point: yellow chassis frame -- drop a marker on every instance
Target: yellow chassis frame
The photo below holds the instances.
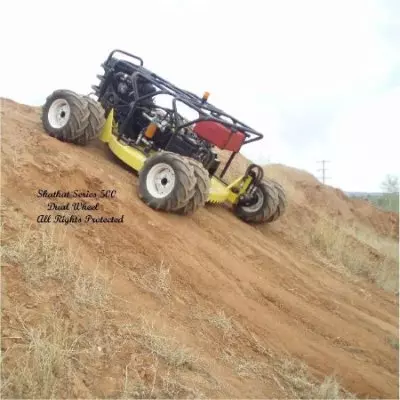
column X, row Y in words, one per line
column 219, row 191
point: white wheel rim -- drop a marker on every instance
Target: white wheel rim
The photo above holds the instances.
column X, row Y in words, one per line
column 59, row 113
column 160, row 180
column 257, row 205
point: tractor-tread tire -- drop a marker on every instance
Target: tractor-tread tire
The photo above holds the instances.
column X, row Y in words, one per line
column 202, row 189
column 79, row 116
column 282, row 201
column 96, row 122
column 268, row 208
column 185, row 182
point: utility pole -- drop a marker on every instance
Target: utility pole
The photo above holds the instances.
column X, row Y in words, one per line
column 323, row 169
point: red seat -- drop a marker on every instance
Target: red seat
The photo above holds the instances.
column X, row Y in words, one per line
column 220, row 135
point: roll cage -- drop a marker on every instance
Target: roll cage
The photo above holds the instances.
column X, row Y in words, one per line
column 207, row 111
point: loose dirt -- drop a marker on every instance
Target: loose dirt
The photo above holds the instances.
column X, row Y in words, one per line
column 267, row 281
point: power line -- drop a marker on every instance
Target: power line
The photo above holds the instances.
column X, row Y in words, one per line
column 323, row 169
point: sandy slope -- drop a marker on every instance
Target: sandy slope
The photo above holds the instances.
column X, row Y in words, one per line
column 263, row 277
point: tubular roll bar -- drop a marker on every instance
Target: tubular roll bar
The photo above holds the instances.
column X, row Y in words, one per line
column 125, row 53
column 207, row 111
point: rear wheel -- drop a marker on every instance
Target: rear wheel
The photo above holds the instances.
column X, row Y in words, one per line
column 65, row 115
column 202, row 188
column 96, row 122
column 261, row 207
column 167, row 182
column 282, row 202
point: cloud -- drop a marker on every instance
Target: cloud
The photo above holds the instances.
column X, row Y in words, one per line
column 300, row 72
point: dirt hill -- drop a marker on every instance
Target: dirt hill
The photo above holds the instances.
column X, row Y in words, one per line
column 202, row 306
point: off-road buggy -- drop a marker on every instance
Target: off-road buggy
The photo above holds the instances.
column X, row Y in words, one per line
column 176, row 158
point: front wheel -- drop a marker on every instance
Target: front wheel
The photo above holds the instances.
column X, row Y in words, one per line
column 202, row 188
column 65, row 116
column 261, row 207
column 166, row 182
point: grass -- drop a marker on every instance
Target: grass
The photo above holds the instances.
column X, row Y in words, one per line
column 361, row 251
column 296, row 378
column 138, row 389
column 42, row 256
column 91, row 289
column 168, row 354
column 43, row 366
column 386, row 276
column 163, row 346
column 221, row 322
column 292, row 376
column 45, row 363
column 385, row 201
column 155, row 280
column 162, row 385
column 244, row 367
column 41, row 363
column 393, row 342
column 384, row 244
column 218, row 320
column 173, row 389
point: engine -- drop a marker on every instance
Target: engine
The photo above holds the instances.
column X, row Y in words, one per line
column 185, row 142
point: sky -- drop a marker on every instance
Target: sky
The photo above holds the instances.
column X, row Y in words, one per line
column 319, row 78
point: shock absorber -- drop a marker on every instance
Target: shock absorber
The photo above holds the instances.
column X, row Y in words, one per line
column 257, row 174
